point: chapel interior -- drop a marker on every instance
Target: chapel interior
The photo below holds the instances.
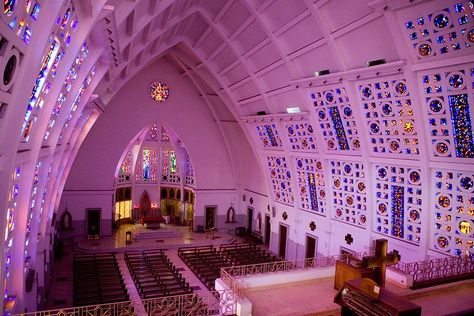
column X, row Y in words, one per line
column 237, row 157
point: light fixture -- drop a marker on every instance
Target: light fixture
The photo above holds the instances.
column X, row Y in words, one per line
column 295, row 109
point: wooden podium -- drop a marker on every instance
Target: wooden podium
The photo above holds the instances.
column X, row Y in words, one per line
column 350, row 271
column 355, row 299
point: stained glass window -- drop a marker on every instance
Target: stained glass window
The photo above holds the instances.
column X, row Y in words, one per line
column 445, row 30
column 312, row 191
column 268, row 134
column 189, row 179
column 453, row 208
column 349, row 189
column 280, row 176
column 301, row 136
column 10, row 227
column 398, row 202
column 336, row 118
column 68, row 81
column 169, row 171
column 159, row 91
column 125, row 171
column 449, row 115
column 389, row 116
column 30, row 217
column 152, row 134
column 76, row 102
column 21, row 18
column 149, row 164
column 58, row 43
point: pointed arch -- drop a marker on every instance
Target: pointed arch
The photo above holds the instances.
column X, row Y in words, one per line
column 145, row 204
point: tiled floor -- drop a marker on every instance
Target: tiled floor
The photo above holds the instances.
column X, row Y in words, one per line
column 169, row 238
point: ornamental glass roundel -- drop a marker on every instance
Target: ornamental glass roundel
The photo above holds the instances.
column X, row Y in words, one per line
column 159, row 91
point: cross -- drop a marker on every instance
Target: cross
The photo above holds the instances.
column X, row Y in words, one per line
column 348, row 239
column 381, row 260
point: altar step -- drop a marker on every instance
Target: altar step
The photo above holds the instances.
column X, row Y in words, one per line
column 158, row 234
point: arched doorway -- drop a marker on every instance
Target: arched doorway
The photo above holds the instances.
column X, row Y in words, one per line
column 145, row 205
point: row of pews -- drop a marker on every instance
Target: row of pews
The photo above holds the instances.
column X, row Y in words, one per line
column 97, row 280
column 206, row 261
column 155, row 275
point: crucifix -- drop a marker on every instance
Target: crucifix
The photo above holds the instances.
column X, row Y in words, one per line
column 381, row 260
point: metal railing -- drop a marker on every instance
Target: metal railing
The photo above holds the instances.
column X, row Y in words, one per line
column 229, row 275
column 213, row 303
column 437, row 269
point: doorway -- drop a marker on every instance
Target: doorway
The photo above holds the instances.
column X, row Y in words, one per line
column 210, row 217
column 283, row 236
column 310, row 246
column 249, row 219
column 93, row 223
column 268, row 229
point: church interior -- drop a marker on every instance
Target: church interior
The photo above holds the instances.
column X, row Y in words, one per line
column 164, row 157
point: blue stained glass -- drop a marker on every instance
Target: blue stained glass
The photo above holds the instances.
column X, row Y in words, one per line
column 462, row 126
column 409, row 25
column 413, row 36
column 271, row 135
column 456, row 81
column 463, row 20
column 312, row 192
column 436, row 105
column 35, row 11
column 459, row 7
column 421, row 21
column 338, row 128
column 441, row 20
column 397, row 195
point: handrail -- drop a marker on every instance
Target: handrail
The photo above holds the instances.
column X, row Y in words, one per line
column 229, row 274
column 437, row 268
column 214, row 303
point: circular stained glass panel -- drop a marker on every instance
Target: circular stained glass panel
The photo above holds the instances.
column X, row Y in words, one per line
column 466, row 183
column 415, row 177
column 441, row 20
column 322, row 194
column 424, row 50
column 414, row 215
column 361, row 186
column 442, row 148
column 465, row 227
column 337, row 183
column 319, row 165
column 338, row 212
column 331, row 144
column 444, row 201
column 443, row 242
column 382, row 208
column 347, row 111
column 303, row 190
column 470, row 36
column 374, row 128
column 382, row 173
column 436, row 105
column 290, row 130
column 159, row 91
column 456, row 81
column 329, row 97
column 299, row 162
column 394, row 146
column 310, row 129
column 322, row 114
column 362, row 219
column 347, row 168
column 401, row 88
column 356, row 143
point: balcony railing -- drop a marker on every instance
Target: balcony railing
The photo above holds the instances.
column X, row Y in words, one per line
column 229, row 275
column 437, row 271
column 214, row 303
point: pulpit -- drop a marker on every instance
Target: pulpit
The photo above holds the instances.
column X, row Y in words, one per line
column 365, row 297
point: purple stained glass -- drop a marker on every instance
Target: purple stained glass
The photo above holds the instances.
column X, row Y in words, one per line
column 338, row 128
column 312, row 192
column 398, row 209
column 462, row 126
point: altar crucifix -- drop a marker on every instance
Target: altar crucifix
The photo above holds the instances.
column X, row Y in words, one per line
column 380, row 260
